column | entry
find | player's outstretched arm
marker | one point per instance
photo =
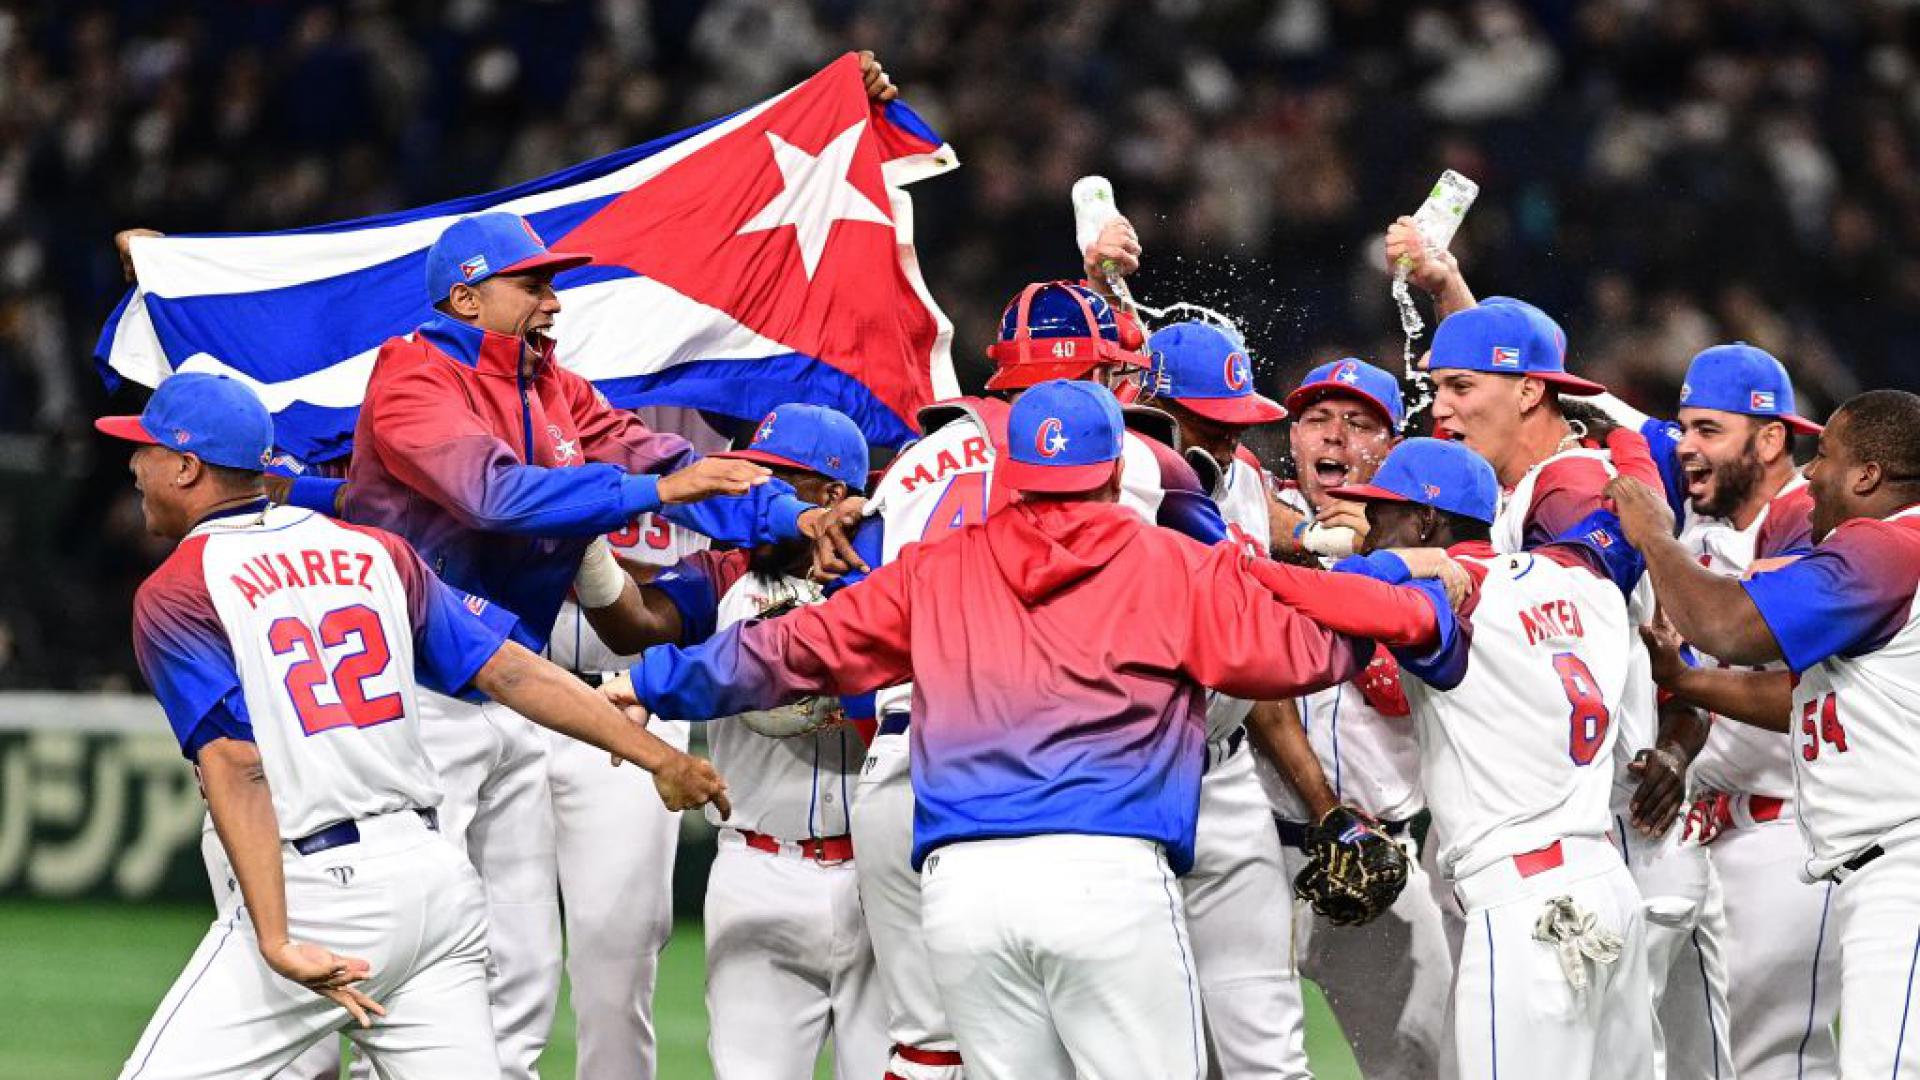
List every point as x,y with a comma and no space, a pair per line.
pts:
550,697
242,808
1761,698
628,616
1713,613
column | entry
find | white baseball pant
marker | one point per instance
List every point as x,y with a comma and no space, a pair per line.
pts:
882,825
399,899
1387,982
1516,1014
614,842
788,964
1783,957
1239,904
493,772
1876,913
1064,956
1686,961
321,1061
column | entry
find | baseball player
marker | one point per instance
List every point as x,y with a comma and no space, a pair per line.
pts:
1059,653
1499,370
1731,480
1238,909
1353,745
935,487
500,465
284,648
1842,620
788,957
1515,702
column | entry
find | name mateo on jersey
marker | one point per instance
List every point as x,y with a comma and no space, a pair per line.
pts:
1552,621
973,450
264,575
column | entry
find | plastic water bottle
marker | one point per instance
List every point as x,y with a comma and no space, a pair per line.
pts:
1093,207
1437,220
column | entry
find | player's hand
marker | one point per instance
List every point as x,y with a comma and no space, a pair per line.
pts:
1341,514
620,691
1663,648
879,87
1434,564
1662,791
687,781
831,530
123,243
1116,250
712,476
1283,521
325,973
1643,513
1432,272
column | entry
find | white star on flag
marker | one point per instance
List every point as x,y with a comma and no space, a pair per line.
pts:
815,194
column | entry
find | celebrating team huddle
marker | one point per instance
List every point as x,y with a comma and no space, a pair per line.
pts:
1565,742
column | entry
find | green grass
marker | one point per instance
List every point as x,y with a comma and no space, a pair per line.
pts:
88,975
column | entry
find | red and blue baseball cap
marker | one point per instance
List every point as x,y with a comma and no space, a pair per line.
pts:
476,248
1206,370
213,417
1355,379
1062,436
1432,472
1740,378
1504,336
810,437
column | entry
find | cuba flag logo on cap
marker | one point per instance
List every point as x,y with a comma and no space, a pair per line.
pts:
1504,357
1048,439
1761,401
474,267
1239,372
1347,374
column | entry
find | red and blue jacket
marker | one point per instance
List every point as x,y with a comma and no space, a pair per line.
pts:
1059,654
500,479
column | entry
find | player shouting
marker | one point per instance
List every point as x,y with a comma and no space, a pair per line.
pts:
1842,620
284,648
1515,704
1059,653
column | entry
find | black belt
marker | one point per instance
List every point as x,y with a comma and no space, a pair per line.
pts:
1294,834
1229,746
342,833
894,723
1854,865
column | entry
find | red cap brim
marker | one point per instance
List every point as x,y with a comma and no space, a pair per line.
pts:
1570,385
1244,411
1800,425
1053,479
1304,396
1365,493
554,261
125,427
763,458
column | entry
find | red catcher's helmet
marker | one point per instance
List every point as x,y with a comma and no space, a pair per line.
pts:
1058,330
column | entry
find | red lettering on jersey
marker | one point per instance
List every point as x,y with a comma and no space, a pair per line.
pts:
248,591
1553,619
292,577
1532,628
916,478
366,570
316,567
946,463
975,451
264,575
342,573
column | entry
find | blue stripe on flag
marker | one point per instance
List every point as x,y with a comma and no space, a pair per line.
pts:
749,389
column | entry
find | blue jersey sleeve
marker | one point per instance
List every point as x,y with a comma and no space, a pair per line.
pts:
766,514
315,493
454,633
180,645
1850,596
1604,540
690,586
227,719
1445,664
1663,444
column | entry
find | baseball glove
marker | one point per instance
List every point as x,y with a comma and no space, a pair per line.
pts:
1354,870
804,717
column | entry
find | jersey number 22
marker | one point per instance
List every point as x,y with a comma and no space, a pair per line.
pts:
349,675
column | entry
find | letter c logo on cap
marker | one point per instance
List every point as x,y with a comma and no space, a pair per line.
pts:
1049,440
1237,374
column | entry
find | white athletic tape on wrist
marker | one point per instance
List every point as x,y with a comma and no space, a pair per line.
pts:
1330,541
600,579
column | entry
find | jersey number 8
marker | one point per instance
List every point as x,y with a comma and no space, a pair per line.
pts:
353,707
1589,717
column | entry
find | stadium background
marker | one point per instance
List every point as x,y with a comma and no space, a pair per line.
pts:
1661,174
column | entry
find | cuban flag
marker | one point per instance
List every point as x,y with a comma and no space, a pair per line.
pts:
759,259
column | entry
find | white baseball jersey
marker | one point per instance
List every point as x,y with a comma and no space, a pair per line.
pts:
648,539
1516,714
306,635
1738,757
795,789
1369,755
1846,620
1242,497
